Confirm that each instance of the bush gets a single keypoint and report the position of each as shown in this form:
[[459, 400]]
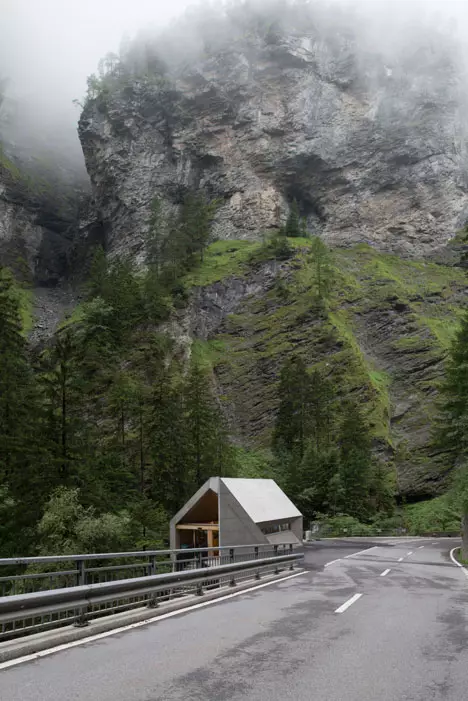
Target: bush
[[344, 525]]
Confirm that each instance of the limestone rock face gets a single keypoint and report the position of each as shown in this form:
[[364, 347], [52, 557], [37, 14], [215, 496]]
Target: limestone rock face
[[369, 139], [20, 236]]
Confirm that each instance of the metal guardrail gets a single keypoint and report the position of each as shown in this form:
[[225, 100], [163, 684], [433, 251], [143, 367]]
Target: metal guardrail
[[39, 609], [28, 574]]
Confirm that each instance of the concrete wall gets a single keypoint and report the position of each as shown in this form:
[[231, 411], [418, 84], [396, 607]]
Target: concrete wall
[[297, 527], [235, 526]]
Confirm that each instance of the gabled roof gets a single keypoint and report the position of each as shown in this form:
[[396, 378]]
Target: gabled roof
[[262, 499]]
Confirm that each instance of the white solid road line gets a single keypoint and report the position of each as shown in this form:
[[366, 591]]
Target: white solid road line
[[333, 562], [138, 624], [348, 603], [366, 550], [384, 573], [455, 561]]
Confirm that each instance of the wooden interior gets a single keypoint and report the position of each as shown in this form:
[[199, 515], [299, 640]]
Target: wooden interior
[[199, 528], [204, 511]]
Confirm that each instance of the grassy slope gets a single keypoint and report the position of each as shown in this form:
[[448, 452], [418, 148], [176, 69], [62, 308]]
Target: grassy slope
[[388, 331]]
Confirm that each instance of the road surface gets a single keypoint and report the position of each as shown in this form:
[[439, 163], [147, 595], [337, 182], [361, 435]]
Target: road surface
[[386, 624]]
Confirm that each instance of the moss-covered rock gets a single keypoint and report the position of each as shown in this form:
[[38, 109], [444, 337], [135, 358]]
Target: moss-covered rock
[[383, 337]]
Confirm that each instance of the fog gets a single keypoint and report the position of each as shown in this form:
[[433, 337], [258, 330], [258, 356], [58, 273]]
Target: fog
[[49, 47]]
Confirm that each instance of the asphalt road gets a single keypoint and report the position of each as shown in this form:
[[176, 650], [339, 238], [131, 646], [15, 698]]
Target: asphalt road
[[309, 638]]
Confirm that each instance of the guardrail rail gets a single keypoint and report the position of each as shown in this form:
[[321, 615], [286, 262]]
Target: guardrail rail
[[41, 593]]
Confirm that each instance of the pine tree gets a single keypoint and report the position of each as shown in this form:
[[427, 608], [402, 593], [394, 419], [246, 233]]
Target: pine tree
[[452, 429], [453, 421], [293, 227], [355, 462], [323, 269], [292, 424], [98, 281], [204, 428], [322, 411], [63, 404], [319, 471], [23, 461]]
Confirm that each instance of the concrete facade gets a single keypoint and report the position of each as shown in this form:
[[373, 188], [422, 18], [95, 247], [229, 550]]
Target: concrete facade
[[250, 511]]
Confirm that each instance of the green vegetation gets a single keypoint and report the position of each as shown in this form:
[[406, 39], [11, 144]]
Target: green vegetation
[[107, 432], [122, 428], [439, 515], [452, 436], [222, 259]]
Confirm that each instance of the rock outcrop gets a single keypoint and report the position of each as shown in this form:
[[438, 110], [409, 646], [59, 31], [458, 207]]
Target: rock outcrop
[[38, 220], [367, 136]]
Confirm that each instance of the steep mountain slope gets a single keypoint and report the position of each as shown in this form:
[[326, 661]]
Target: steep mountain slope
[[384, 341], [366, 133]]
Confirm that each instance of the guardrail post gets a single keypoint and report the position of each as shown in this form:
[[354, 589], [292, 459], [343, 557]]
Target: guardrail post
[[232, 581], [152, 601], [257, 573], [291, 566], [276, 555], [81, 613], [151, 565]]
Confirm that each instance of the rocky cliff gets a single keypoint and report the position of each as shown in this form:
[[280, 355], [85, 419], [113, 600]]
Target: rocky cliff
[[258, 110], [384, 342], [366, 134]]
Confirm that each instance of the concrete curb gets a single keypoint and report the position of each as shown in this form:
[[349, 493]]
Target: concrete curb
[[12, 649]]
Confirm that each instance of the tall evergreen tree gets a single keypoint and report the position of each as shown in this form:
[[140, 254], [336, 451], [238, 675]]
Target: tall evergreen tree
[[322, 411], [292, 424], [204, 428], [355, 462], [293, 226], [452, 433], [62, 389], [323, 269], [23, 461]]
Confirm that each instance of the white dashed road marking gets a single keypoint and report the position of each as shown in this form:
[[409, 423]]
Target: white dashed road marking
[[348, 603], [384, 573], [366, 550]]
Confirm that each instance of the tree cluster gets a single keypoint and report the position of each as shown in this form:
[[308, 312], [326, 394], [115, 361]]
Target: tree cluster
[[452, 424], [324, 445], [106, 419]]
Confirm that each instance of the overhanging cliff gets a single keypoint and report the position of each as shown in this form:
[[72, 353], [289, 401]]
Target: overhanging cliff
[[368, 139]]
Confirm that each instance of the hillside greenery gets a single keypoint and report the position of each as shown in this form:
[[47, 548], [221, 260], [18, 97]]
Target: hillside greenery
[[110, 427]]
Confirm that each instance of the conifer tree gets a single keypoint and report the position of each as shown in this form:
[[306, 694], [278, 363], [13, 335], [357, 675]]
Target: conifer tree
[[355, 462], [292, 424], [323, 269], [452, 430], [204, 427], [23, 460], [293, 225]]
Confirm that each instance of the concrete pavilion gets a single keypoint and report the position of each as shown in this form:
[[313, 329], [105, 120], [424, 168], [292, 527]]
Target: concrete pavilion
[[232, 511]]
